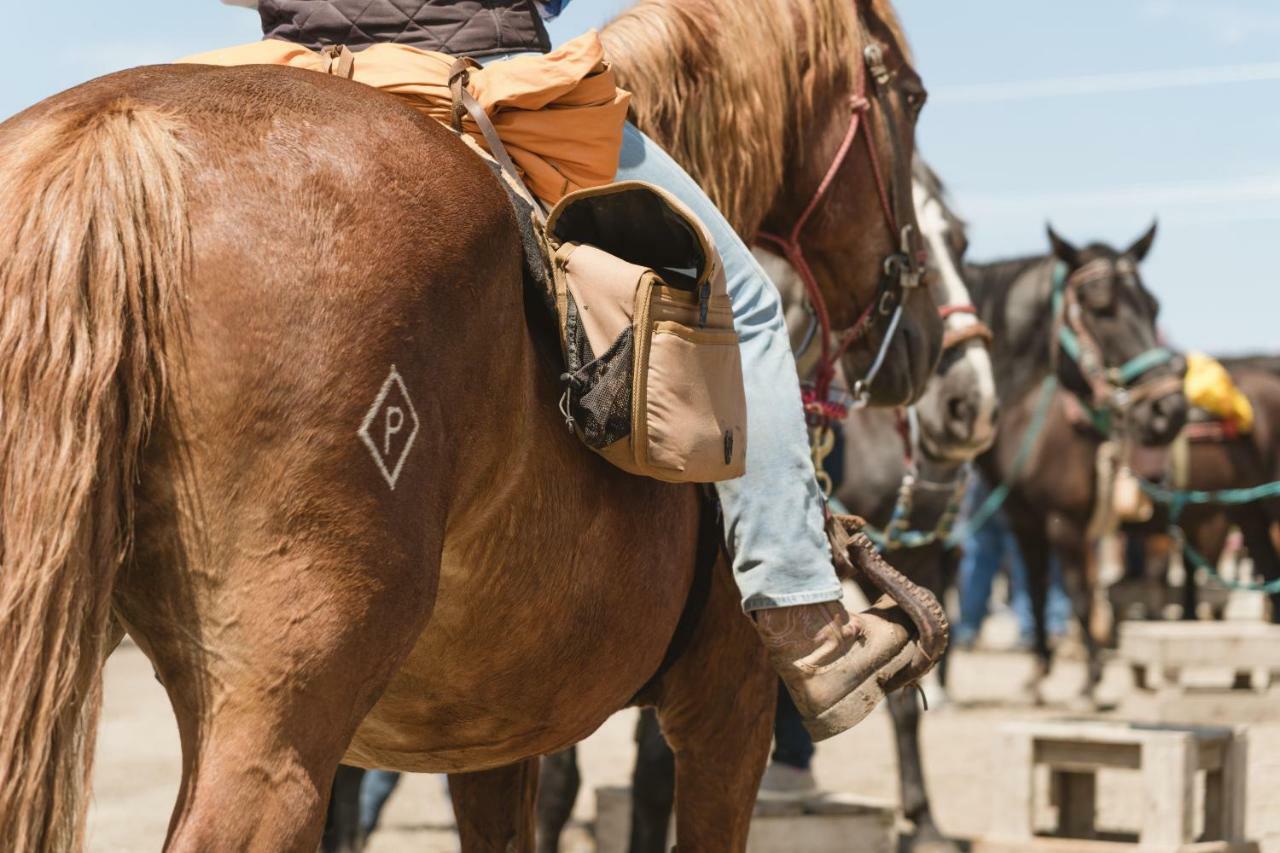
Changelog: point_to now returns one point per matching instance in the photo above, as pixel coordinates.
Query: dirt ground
(137, 768)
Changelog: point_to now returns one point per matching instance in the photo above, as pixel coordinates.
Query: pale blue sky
(1177, 115)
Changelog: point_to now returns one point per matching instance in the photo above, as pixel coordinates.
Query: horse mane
(992, 281)
(752, 73)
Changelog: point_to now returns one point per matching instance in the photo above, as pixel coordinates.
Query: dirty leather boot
(834, 664)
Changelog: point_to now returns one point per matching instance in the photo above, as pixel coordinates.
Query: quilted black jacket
(459, 27)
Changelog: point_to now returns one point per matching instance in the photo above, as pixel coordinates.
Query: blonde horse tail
(93, 247)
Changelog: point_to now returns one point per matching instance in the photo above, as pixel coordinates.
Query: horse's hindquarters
(352, 265)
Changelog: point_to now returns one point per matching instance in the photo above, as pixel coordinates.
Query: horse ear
(1062, 250)
(1139, 249)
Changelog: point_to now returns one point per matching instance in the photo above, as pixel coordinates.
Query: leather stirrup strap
(464, 103)
(852, 552)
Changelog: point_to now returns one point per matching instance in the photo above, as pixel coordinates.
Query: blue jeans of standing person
(792, 745)
(986, 550)
(1057, 607)
(375, 789)
(773, 515)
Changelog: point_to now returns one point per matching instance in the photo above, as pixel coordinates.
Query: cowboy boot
(836, 665)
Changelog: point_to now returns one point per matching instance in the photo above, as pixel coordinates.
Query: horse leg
(496, 809)
(949, 564)
(1190, 591)
(270, 671)
(904, 707)
(716, 706)
(1033, 544)
(342, 830)
(258, 769)
(652, 787)
(1079, 571)
(1256, 529)
(558, 783)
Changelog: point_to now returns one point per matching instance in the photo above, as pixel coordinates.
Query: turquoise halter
(1118, 381)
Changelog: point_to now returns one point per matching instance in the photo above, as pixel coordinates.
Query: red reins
(817, 400)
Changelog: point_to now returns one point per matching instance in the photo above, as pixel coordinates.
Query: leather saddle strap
(464, 103)
(342, 62)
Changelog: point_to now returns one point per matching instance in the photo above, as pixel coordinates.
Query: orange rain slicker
(560, 114)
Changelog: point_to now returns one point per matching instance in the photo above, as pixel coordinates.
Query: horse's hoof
(927, 839)
(936, 845)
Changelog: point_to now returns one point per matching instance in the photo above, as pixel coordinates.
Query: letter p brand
(395, 423)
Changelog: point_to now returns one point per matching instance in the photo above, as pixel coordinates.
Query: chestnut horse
(220, 284)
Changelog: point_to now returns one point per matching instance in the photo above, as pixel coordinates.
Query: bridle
(975, 331)
(908, 429)
(1111, 389)
(903, 269)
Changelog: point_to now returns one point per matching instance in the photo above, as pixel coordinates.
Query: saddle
(653, 374)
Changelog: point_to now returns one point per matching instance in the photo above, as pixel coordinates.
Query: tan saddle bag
(653, 373)
(653, 378)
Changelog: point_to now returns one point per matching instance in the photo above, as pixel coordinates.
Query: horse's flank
(694, 91)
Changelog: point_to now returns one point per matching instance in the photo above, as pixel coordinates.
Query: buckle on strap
(342, 62)
(874, 57)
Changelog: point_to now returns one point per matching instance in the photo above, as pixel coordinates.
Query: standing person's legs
(1058, 604)
(1058, 610)
(374, 792)
(982, 556)
(789, 771)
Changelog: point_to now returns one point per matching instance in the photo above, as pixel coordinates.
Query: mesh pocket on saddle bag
(638, 283)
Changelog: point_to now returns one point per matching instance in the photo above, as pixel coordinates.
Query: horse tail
(93, 245)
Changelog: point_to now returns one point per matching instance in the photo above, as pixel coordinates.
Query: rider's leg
(774, 514)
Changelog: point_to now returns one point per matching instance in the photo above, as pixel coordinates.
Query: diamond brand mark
(390, 427)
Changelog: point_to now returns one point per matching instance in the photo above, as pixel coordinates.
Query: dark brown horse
(212, 278)
(1211, 458)
(1051, 495)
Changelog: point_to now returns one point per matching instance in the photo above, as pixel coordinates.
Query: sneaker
(784, 782)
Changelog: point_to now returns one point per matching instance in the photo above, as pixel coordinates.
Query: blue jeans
(985, 552)
(792, 745)
(773, 514)
(375, 789)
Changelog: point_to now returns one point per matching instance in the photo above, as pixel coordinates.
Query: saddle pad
(560, 115)
(1208, 386)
